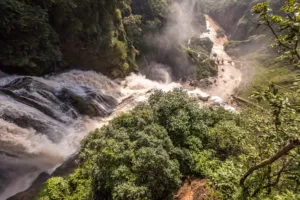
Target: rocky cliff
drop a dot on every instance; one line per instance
(38, 37)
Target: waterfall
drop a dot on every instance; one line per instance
(43, 119)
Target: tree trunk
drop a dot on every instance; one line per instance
(284, 151)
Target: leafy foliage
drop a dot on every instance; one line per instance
(279, 131)
(27, 41)
(148, 152)
(145, 153)
(198, 53)
(39, 37)
(75, 187)
(285, 28)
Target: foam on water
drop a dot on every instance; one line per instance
(34, 141)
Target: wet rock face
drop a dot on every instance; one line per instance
(71, 101)
(237, 19)
(89, 103)
(60, 105)
(40, 119)
(233, 14)
(31, 105)
(66, 168)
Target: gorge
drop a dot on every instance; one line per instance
(59, 111)
(122, 87)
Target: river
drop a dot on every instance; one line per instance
(229, 76)
(43, 120)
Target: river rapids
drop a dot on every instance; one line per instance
(43, 120)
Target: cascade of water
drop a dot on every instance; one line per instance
(43, 120)
(229, 77)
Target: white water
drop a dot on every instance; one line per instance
(26, 152)
(37, 153)
(229, 77)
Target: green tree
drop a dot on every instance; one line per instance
(133, 159)
(144, 154)
(28, 43)
(147, 153)
(279, 153)
(284, 26)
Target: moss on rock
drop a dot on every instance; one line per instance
(38, 37)
(29, 45)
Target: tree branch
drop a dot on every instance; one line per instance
(278, 176)
(284, 151)
(295, 49)
(276, 36)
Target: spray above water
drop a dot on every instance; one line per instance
(167, 45)
(26, 152)
(43, 120)
(180, 26)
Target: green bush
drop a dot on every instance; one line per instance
(118, 16)
(148, 152)
(39, 37)
(74, 187)
(28, 43)
(133, 159)
(144, 154)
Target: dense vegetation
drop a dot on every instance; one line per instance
(148, 152)
(198, 54)
(145, 154)
(40, 36)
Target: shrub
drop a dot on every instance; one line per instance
(146, 153)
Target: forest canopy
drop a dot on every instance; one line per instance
(148, 152)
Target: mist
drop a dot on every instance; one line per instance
(180, 26)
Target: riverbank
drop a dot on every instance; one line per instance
(136, 88)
